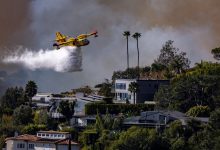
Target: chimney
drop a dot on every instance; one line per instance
(16, 134)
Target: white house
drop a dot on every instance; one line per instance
(44, 140)
(121, 90)
(42, 97)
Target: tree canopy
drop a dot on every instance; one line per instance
(198, 86)
(216, 53)
(31, 88)
(66, 108)
(172, 59)
(22, 115)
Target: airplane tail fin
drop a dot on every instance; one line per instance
(60, 37)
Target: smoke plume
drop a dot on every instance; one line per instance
(66, 59)
(192, 24)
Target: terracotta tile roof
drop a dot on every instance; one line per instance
(66, 142)
(25, 137)
(34, 138)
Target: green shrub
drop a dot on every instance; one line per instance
(198, 111)
(32, 129)
(93, 108)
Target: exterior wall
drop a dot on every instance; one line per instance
(148, 88)
(45, 146)
(9, 145)
(65, 147)
(121, 94)
(12, 145)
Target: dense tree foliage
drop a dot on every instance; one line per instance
(30, 90)
(41, 117)
(171, 59)
(216, 53)
(131, 73)
(22, 115)
(85, 90)
(104, 131)
(139, 139)
(33, 129)
(215, 119)
(198, 86)
(12, 98)
(198, 111)
(66, 108)
(105, 88)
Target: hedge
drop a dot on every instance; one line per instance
(93, 108)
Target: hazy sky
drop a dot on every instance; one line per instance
(192, 24)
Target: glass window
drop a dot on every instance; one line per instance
(120, 86)
(20, 145)
(31, 146)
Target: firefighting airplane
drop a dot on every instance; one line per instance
(81, 40)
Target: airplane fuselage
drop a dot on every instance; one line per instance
(81, 40)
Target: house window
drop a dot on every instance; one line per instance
(20, 145)
(47, 135)
(39, 134)
(31, 146)
(121, 86)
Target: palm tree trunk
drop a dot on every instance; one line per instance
(138, 60)
(127, 54)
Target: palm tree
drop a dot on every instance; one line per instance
(136, 36)
(133, 88)
(127, 34)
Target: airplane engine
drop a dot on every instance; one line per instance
(85, 42)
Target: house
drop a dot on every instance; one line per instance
(146, 90)
(42, 97)
(44, 140)
(160, 119)
(83, 120)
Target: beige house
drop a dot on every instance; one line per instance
(44, 140)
